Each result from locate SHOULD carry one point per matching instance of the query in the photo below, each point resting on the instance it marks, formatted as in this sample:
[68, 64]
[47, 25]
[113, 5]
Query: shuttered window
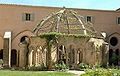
[118, 20]
[90, 19]
[28, 16]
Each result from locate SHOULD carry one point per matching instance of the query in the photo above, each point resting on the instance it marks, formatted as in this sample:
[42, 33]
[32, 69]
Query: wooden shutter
[23, 17]
[85, 18]
[93, 19]
[117, 20]
[32, 17]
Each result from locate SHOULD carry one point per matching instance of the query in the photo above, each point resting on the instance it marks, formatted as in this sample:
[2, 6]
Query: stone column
[7, 53]
[22, 56]
[34, 57]
[75, 57]
[38, 58]
[57, 55]
[45, 57]
[17, 58]
[30, 58]
[36, 62]
[7, 49]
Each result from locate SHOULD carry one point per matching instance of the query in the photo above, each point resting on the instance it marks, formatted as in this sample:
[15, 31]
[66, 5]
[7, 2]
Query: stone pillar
[7, 49]
[67, 56]
[75, 57]
[23, 55]
[38, 57]
[63, 49]
[45, 57]
[17, 58]
[105, 54]
[57, 55]
[7, 53]
[30, 58]
[34, 57]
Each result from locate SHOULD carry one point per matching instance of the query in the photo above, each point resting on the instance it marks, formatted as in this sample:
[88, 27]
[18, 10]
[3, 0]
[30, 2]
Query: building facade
[21, 20]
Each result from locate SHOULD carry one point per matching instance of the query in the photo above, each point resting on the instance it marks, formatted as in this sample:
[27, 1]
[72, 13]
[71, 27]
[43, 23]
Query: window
[118, 20]
[28, 16]
[113, 41]
[89, 19]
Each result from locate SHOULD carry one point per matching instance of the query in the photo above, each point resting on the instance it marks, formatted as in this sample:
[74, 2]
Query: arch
[114, 40]
[79, 55]
[23, 39]
[16, 38]
[62, 54]
[21, 33]
[113, 34]
[71, 54]
[13, 57]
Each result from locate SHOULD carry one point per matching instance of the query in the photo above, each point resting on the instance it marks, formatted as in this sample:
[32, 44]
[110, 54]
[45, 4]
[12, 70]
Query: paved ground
[70, 71]
[76, 72]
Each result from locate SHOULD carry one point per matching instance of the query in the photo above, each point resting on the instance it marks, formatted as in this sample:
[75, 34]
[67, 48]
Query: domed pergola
[65, 21]
[72, 44]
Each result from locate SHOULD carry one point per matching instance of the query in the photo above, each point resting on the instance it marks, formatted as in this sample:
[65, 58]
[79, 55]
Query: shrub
[1, 61]
[97, 65]
[83, 66]
[114, 60]
[36, 68]
[104, 65]
[102, 72]
[61, 66]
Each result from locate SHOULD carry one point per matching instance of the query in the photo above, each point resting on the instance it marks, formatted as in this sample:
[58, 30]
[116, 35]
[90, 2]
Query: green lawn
[33, 73]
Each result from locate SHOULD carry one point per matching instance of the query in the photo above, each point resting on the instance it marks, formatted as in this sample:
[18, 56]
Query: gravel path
[76, 72]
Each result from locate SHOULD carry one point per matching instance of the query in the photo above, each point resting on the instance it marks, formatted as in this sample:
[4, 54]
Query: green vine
[51, 35]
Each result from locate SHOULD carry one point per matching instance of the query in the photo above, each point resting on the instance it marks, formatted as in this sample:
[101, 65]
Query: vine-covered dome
[65, 21]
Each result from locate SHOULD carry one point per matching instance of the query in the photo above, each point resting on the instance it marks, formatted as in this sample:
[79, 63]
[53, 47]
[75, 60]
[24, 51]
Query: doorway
[1, 54]
[110, 56]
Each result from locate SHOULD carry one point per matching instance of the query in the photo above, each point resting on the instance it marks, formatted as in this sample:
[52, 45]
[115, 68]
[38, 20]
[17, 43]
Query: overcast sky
[84, 4]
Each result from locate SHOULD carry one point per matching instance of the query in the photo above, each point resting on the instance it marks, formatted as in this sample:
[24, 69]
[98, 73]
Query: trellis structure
[65, 21]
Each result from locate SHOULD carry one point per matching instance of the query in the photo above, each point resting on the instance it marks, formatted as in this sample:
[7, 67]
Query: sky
[82, 4]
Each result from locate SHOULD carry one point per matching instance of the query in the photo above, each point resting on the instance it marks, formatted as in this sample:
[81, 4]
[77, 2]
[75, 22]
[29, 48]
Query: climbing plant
[51, 35]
